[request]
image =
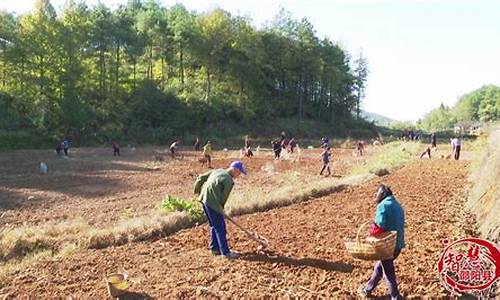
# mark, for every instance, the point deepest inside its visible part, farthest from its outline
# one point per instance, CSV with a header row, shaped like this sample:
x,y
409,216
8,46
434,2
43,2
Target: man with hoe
x,y
213,188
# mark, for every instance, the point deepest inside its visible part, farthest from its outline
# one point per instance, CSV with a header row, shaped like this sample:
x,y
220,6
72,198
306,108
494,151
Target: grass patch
x,y
258,201
484,196
70,237
390,156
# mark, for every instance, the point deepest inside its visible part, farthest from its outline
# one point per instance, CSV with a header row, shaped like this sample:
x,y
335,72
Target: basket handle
x,y
359,231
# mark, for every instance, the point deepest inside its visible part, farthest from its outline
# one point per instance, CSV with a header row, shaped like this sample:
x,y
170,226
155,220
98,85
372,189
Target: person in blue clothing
x,y
66,144
325,142
213,188
389,216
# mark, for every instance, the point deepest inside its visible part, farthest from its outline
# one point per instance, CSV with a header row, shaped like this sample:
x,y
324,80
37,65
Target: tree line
x,y
148,72
479,106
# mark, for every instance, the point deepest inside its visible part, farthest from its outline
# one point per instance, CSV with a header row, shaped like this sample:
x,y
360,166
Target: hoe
x,y
264,243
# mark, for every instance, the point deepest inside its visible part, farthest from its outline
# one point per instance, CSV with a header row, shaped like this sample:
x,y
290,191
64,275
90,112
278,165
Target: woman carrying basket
x,y
389,216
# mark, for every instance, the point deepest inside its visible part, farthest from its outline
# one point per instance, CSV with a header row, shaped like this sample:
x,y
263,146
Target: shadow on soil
x,y
299,262
84,175
134,296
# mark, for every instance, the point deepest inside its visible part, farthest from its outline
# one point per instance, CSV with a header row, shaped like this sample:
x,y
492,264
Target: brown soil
x,y
103,189
307,257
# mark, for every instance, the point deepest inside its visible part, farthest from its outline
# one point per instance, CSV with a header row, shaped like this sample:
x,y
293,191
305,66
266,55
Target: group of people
x,y
456,146
410,135
214,187
207,150
63,146
283,144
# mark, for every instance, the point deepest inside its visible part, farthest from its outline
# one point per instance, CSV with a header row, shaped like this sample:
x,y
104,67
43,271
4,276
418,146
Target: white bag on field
x,y
43,168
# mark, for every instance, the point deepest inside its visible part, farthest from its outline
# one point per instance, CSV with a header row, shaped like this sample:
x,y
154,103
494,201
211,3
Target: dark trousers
x,y
457,152
116,152
326,165
197,147
218,240
277,153
385,268
66,151
427,151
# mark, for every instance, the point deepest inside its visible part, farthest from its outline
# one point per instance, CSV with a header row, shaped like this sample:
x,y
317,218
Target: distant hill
x,y
378,119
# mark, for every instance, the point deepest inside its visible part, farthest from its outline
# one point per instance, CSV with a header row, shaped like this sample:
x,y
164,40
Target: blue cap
x,y
238,165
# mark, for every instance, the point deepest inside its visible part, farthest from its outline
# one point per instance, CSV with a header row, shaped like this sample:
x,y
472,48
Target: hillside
x,y
378,119
481,105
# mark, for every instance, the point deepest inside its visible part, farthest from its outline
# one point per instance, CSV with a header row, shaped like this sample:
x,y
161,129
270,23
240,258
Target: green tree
x,y
360,75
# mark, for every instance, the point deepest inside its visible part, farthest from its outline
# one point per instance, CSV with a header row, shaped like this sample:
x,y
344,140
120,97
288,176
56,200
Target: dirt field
x,y
101,189
308,258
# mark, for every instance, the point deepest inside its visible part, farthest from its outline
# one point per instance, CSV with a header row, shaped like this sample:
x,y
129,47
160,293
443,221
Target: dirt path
x,y
103,189
309,258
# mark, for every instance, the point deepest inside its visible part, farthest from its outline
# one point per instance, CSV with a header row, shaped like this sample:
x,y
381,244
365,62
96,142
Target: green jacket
x,y
214,188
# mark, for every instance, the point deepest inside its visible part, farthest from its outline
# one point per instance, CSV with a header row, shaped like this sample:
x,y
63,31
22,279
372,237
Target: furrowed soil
x,y
306,257
102,189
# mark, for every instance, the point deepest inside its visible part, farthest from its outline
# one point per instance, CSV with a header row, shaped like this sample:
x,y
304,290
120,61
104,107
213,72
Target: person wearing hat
x,y
276,149
389,216
173,148
213,188
207,153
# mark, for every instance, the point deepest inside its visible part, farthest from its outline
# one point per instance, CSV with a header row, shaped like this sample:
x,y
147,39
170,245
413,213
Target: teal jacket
x,y
390,216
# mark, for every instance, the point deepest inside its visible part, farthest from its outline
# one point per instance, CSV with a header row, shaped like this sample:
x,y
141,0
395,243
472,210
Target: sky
x,y
421,53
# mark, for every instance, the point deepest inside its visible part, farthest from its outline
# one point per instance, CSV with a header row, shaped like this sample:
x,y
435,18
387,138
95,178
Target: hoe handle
x,y
250,234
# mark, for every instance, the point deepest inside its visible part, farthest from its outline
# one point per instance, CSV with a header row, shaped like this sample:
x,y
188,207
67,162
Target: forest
x,y
147,73
479,106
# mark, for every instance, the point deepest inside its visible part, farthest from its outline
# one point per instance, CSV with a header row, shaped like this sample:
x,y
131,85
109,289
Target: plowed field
x,y
306,257
102,189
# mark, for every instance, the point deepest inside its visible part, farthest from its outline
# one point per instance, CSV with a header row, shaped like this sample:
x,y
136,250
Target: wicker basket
x,y
117,284
378,247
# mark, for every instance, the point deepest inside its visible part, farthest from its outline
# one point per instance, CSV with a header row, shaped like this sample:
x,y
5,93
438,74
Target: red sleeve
x,y
376,230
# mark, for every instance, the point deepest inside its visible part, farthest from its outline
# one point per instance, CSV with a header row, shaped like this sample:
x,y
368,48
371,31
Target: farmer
x,y
389,216
325,156
360,147
248,148
207,153
116,148
248,152
456,145
325,142
173,148
433,140
197,144
65,145
213,188
426,151
276,149
59,148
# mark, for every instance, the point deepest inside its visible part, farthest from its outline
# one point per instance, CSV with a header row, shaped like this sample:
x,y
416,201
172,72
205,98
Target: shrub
x,y
171,204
